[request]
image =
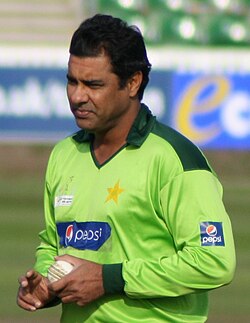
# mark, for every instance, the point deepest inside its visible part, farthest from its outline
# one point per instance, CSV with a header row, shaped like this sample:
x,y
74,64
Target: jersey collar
x,y
138,133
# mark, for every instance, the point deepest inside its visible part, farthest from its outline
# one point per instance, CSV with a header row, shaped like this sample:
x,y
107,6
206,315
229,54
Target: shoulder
x,y
190,156
64,148
64,144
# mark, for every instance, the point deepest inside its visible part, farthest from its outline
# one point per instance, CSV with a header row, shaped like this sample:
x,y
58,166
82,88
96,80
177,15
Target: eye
x,y
71,80
93,84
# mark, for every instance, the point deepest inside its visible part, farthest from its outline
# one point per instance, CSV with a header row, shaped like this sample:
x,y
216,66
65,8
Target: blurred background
x,y
200,85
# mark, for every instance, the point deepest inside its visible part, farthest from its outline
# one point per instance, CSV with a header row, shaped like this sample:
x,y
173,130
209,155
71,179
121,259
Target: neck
x,y
118,131
108,142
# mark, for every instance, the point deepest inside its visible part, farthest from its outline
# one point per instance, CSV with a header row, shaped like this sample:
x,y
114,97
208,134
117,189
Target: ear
x,y
134,83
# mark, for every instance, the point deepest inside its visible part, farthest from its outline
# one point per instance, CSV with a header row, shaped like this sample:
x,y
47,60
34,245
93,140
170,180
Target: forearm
x,y
188,271
45,255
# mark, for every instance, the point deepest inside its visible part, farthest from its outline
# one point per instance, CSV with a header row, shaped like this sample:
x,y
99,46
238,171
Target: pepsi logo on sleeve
x,y
212,234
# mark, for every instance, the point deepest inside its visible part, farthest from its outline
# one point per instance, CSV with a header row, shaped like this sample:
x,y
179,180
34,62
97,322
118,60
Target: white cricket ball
x,y
59,269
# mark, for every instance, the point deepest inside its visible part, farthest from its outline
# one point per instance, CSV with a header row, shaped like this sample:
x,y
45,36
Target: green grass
x,y
21,209
231,303
21,219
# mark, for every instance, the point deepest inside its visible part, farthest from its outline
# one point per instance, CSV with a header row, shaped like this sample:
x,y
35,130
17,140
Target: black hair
x,y
122,43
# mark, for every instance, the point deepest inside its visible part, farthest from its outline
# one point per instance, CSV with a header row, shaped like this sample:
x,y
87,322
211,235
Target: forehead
x,y
89,66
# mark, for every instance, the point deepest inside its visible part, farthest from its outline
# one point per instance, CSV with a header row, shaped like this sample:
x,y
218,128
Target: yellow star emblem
x,y
114,192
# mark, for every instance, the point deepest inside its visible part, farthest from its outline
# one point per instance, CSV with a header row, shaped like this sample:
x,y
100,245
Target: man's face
x,y
95,97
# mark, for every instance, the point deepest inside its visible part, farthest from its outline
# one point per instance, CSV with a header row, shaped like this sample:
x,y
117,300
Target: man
x,y
131,203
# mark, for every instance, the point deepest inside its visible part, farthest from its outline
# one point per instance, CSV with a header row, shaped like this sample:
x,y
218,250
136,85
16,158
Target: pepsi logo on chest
x,y
83,235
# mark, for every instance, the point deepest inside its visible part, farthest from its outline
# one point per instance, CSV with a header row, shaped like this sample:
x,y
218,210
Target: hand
x,y
33,291
82,285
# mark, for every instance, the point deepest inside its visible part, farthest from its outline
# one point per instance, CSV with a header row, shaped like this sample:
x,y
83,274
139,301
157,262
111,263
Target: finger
x,y
81,303
27,302
68,299
31,274
26,306
23,281
57,286
24,295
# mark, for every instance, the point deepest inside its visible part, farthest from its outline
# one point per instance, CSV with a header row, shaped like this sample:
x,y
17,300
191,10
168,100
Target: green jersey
x,y
152,214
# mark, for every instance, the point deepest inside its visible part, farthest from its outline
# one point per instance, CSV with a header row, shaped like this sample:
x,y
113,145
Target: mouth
x,y
82,114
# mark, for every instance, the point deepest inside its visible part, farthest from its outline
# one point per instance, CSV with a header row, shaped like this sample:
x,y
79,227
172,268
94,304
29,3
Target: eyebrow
x,y
70,78
86,82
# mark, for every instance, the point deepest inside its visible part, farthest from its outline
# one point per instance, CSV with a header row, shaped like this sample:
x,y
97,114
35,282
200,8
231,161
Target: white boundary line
x,y
177,58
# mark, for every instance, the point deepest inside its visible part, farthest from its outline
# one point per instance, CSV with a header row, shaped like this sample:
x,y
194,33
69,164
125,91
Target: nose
x,y
77,94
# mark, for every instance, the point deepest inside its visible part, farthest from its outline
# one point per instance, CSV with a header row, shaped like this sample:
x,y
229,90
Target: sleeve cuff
x,y
113,281
54,302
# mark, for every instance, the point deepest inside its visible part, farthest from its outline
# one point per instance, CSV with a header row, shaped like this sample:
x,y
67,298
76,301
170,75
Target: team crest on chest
x,y
114,192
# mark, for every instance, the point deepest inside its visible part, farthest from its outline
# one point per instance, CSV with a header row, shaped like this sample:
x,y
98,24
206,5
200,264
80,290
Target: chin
x,y
82,124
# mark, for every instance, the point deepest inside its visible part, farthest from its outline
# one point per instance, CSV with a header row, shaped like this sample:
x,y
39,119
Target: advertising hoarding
x,y
213,110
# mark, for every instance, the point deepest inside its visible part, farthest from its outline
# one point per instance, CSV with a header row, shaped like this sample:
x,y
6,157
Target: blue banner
x,y
33,104
211,110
